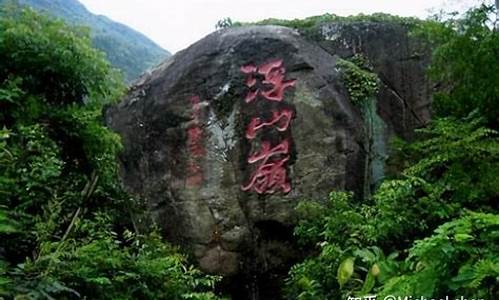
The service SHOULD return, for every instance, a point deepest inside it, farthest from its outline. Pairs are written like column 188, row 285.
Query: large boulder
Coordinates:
column 224, row 138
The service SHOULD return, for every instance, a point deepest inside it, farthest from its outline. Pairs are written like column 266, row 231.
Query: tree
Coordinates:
column 465, row 63
column 74, row 234
column 224, row 23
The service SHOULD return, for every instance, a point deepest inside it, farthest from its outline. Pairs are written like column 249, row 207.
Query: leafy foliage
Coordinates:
column 359, row 79
column 456, row 172
column 102, row 266
column 461, row 257
column 224, row 23
column 345, row 265
column 59, row 65
column 67, row 228
column 315, row 21
column 465, row 62
column 126, row 49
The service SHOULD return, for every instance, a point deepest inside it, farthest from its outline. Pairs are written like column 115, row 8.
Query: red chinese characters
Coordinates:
column 281, row 119
column 270, row 175
column 274, row 75
column 270, row 171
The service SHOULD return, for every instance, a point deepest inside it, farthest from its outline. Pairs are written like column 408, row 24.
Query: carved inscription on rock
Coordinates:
column 268, row 161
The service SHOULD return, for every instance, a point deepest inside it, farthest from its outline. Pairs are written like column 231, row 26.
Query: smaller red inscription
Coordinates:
column 274, row 76
column 280, row 118
column 195, row 175
column 195, row 146
column 270, row 175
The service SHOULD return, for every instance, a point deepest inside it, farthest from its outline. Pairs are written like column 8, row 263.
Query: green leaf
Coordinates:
column 461, row 237
column 368, row 284
column 345, row 271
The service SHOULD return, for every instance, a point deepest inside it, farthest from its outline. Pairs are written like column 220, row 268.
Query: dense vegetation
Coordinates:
column 432, row 230
column 309, row 27
column 126, row 49
column 466, row 64
column 314, row 21
column 67, row 230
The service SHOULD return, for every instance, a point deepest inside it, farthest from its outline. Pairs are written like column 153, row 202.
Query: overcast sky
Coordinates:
column 175, row 25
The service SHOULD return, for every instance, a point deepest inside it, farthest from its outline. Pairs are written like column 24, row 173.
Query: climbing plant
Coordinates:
column 361, row 82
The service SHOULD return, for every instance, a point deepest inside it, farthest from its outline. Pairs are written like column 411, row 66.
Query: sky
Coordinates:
column 175, row 25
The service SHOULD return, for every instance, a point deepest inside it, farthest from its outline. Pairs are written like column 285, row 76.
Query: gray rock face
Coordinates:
column 223, row 139
column 400, row 61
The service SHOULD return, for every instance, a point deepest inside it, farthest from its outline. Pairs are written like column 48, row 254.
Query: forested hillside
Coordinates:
column 69, row 230
column 126, row 49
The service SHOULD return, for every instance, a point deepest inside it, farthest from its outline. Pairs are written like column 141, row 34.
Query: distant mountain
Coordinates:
column 128, row 50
